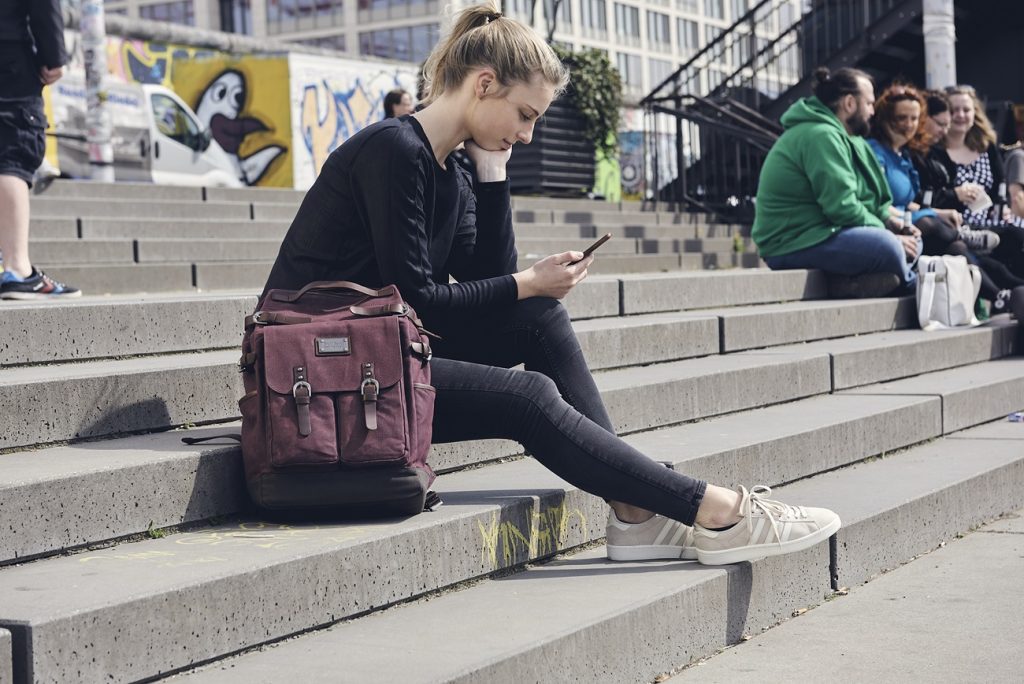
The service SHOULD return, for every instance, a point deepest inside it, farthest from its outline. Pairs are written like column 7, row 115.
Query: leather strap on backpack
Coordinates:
column 321, row 285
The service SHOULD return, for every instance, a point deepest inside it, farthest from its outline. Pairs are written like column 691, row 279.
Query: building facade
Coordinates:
column 646, row 39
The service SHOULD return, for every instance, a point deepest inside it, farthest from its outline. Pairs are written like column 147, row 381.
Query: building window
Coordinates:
column 689, row 36
column 691, row 6
column 739, row 8
column 520, row 9
column 336, row 42
column 285, row 16
column 563, row 17
column 714, row 9
column 659, row 70
column 629, row 68
column 593, row 15
column 171, row 12
column 627, row 20
column 236, row 16
column 407, row 43
column 658, row 31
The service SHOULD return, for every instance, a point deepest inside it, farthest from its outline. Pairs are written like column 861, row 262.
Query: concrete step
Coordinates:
column 148, row 192
column 719, row 260
column 609, row 264
column 175, row 228
column 52, row 229
column 114, row 488
column 82, row 252
column 133, row 209
column 78, row 401
column 892, row 610
column 672, row 292
column 233, row 275
column 192, row 250
column 620, row 621
column 187, row 588
column 84, row 400
column 102, row 327
column 709, row 245
column 275, row 195
column 886, row 356
column 539, row 247
column 123, row 278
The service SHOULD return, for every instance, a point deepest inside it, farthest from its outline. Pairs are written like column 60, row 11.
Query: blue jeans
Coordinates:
column 853, row 251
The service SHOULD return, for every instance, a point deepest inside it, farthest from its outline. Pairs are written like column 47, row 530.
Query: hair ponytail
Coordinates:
column 830, row 87
column 482, row 36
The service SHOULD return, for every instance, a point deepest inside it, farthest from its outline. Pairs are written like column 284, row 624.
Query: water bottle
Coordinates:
column 908, row 221
column 926, row 200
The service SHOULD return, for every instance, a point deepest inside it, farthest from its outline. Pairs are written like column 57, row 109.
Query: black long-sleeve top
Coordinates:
column 949, row 200
column 383, row 211
column 31, row 36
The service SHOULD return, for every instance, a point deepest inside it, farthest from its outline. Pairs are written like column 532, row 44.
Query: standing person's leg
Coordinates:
column 14, row 208
column 22, row 147
column 482, row 402
column 856, row 252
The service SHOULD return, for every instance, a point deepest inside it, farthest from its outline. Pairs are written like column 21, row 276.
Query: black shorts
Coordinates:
column 22, row 137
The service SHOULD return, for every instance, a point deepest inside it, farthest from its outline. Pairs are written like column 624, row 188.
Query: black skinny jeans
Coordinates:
column 553, row 408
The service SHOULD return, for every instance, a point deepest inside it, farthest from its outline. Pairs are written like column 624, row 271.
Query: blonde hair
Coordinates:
column 483, row 37
column 981, row 135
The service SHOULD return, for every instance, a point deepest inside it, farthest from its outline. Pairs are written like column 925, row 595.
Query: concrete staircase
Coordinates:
column 127, row 238
column 126, row 555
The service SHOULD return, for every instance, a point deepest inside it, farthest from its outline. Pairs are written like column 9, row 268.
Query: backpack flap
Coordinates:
column 336, row 393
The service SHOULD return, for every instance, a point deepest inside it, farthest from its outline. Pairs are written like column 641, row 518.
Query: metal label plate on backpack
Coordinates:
column 332, row 346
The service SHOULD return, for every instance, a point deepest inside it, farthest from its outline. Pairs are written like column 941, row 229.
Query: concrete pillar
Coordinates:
column 98, row 127
column 939, row 43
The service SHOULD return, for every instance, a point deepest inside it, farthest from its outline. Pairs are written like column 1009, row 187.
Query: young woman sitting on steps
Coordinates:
column 390, row 206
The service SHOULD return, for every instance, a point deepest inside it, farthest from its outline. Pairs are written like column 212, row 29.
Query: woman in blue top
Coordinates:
column 897, row 116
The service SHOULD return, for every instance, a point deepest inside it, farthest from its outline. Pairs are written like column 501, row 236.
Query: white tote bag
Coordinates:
column 947, row 287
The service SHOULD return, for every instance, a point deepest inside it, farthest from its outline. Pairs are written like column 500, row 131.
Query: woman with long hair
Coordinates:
column 390, row 206
column 896, row 121
column 969, row 153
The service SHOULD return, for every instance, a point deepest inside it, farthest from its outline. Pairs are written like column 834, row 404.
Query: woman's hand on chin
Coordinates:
column 490, row 164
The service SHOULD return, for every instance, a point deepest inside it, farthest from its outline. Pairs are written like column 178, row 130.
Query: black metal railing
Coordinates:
column 709, row 125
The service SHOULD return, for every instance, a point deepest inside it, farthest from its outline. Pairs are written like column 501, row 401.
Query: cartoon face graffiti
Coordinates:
column 220, row 107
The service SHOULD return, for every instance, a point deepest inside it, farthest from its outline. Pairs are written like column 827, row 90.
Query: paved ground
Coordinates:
column 955, row 615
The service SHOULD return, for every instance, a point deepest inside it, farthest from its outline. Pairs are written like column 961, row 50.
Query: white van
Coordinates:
column 156, row 136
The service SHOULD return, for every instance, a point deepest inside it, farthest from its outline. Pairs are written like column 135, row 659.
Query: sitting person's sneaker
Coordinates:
column 978, row 241
column 767, row 528
column 862, row 286
column 36, row 286
column 658, row 538
column 1001, row 304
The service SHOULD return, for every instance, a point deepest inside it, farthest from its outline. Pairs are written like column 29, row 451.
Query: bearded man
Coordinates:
column 823, row 201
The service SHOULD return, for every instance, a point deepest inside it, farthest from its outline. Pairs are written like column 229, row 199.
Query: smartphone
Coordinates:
column 590, row 250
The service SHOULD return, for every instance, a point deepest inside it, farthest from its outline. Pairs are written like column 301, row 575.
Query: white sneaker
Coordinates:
column 658, row 538
column 768, row 528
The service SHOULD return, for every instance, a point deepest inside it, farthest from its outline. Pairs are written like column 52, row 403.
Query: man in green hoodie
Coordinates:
column 823, row 201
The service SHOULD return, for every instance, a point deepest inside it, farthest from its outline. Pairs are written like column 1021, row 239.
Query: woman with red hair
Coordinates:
column 896, row 122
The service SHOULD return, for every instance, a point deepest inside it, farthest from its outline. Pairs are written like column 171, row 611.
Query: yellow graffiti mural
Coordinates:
column 504, row 543
column 319, row 123
column 244, row 102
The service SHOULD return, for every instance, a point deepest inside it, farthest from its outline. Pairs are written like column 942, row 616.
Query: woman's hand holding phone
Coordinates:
column 553, row 276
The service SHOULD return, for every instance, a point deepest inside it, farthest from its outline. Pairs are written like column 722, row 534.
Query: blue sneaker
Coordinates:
column 36, row 286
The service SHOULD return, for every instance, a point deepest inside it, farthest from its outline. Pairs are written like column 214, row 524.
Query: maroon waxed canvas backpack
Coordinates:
column 338, row 405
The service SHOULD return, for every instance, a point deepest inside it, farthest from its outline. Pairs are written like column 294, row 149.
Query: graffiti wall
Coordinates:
column 243, row 101
column 332, row 99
